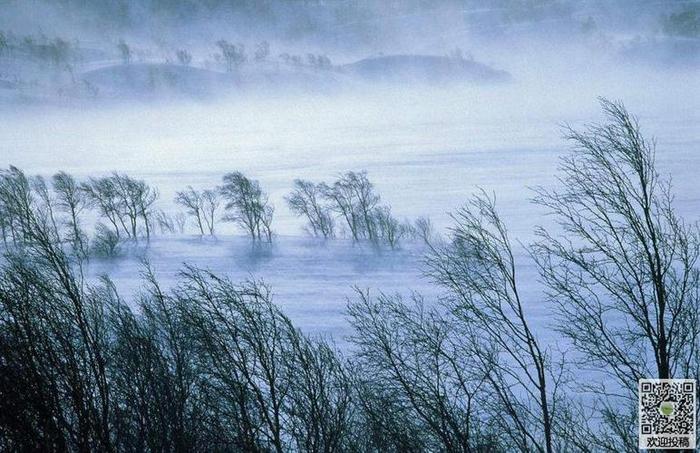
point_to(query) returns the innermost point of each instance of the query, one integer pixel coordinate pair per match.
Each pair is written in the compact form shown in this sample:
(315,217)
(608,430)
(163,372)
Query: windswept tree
(192,201)
(5,224)
(318,61)
(59,52)
(477,268)
(157,373)
(307,199)
(353,198)
(165,222)
(269,387)
(262,51)
(44,199)
(247,205)
(126,202)
(72,201)
(622,268)
(320,402)
(233,55)
(16,199)
(102,194)
(124,51)
(137,201)
(214,365)
(202,205)
(418,382)
(183,57)
(52,335)
(211,202)
(208,365)
(389,229)
(105,242)
(4,43)
(179,219)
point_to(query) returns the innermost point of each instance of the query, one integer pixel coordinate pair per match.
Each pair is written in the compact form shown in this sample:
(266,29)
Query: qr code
(666,413)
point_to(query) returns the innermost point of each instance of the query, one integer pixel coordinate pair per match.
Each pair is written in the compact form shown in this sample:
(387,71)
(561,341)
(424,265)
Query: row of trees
(234,55)
(126,208)
(245,204)
(125,203)
(209,366)
(350,200)
(212,365)
(55,51)
(202,205)
(60,52)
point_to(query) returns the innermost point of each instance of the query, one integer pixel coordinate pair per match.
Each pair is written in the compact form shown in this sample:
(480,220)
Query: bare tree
(180,219)
(5,225)
(247,205)
(262,51)
(209,365)
(233,55)
(388,227)
(137,200)
(55,331)
(192,200)
(45,203)
(165,222)
(307,200)
(353,198)
(210,206)
(478,269)
(17,200)
(623,266)
(124,201)
(157,374)
(266,215)
(318,61)
(4,44)
(319,405)
(72,200)
(241,335)
(102,193)
(105,242)
(419,385)
(213,365)
(184,57)
(124,51)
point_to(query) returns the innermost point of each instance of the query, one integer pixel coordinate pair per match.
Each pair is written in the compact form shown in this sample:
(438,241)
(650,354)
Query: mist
(427,132)
(435,101)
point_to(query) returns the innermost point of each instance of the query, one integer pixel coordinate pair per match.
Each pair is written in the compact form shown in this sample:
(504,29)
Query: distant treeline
(212,365)
(369,20)
(63,53)
(57,51)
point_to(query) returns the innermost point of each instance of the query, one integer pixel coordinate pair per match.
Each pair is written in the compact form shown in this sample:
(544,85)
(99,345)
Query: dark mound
(288,79)
(424,68)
